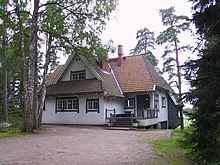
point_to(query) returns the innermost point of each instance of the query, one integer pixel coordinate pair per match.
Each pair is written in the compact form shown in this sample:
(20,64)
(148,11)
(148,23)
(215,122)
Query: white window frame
(67,104)
(92,105)
(130,103)
(156,101)
(163,102)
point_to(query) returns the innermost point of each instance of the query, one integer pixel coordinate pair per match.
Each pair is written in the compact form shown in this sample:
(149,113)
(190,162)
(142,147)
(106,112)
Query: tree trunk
(23,59)
(5,107)
(43,87)
(5,93)
(29,104)
(179,82)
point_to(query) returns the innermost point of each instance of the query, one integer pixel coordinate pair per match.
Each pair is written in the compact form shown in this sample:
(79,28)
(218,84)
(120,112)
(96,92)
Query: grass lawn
(169,153)
(7,132)
(168,150)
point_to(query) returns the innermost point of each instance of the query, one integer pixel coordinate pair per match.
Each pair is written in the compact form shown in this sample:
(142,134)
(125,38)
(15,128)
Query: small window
(92,105)
(78,75)
(67,105)
(156,101)
(163,102)
(129,103)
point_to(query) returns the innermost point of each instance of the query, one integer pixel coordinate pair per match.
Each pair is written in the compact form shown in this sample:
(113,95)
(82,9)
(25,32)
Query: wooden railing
(148,113)
(109,112)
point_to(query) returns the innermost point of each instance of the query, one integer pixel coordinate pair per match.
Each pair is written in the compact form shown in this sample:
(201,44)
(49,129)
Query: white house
(84,93)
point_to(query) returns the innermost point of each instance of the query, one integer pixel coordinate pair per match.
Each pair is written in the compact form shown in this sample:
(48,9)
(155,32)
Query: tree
(205,87)
(71,27)
(146,41)
(175,25)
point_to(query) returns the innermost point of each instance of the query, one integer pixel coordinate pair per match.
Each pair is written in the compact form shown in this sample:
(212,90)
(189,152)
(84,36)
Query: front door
(143,102)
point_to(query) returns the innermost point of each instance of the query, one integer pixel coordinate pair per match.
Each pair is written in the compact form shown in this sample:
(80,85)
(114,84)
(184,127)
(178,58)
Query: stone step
(123,122)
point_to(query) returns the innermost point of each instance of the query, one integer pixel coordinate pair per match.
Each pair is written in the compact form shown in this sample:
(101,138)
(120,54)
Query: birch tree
(82,23)
(70,26)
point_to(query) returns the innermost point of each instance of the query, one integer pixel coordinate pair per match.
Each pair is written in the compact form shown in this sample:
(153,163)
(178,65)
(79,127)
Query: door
(143,102)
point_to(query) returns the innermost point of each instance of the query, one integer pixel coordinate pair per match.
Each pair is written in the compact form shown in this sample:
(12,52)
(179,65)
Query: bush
(209,155)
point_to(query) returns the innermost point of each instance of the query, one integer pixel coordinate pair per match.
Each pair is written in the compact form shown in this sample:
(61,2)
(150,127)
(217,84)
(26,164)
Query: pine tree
(175,25)
(145,44)
(205,77)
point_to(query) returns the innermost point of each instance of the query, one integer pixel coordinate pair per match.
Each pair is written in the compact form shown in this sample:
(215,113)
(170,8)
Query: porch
(143,117)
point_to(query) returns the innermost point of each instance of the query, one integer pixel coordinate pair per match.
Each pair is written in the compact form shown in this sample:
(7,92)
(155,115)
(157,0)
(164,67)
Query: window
(67,105)
(129,103)
(156,101)
(163,102)
(92,105)
(78,75)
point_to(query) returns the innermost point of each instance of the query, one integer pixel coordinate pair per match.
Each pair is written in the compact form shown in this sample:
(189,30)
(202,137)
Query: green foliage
(204,141)
(170,37)
(146,42)
(73,27)
(206,97)
(169,150)
(15,121)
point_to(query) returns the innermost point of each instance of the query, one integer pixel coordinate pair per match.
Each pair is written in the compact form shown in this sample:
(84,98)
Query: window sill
(68,111)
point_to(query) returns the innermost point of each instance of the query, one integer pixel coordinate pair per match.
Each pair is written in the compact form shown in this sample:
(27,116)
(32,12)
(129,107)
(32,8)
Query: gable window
(78,75)
(163,102)
(156,101)
(92,105)
(129,103)
(67,105)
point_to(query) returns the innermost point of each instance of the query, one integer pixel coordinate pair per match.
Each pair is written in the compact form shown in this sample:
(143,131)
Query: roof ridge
(147,62)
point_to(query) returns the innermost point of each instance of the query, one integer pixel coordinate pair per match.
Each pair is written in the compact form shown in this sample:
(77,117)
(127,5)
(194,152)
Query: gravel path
(71,145)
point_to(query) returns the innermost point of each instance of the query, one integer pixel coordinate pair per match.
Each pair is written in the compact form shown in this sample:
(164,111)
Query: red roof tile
(51,76)
(133,75)
(137,74)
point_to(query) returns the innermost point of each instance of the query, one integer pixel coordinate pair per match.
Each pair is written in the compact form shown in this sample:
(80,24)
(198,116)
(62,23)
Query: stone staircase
(123,122)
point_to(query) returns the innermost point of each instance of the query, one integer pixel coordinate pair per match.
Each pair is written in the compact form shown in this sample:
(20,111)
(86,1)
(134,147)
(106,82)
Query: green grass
(16,121)
(9,133)
(168,150)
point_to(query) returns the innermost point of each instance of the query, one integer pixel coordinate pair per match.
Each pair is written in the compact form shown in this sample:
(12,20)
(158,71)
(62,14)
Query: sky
(133,15)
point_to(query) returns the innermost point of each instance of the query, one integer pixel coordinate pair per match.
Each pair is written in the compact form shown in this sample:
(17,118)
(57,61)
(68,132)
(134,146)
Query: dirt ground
(71,145)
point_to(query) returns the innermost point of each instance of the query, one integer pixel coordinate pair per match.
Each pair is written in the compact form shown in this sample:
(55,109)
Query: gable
(76,64)
(96,80)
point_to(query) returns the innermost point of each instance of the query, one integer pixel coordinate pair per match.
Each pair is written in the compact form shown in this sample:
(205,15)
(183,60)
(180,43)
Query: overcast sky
(133,15)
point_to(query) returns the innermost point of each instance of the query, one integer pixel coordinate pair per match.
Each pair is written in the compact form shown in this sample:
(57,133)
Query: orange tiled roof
(137,74)
(51,77)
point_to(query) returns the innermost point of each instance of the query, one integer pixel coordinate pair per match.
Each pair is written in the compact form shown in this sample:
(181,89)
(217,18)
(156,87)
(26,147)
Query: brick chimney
(120,54)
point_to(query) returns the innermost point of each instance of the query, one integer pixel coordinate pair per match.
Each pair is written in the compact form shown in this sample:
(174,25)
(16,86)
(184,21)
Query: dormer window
(78,75)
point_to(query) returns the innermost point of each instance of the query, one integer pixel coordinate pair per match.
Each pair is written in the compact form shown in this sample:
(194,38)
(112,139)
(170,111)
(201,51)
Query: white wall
(148,122)
(76,65)
(163,112)
(111,103)
(90,118)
